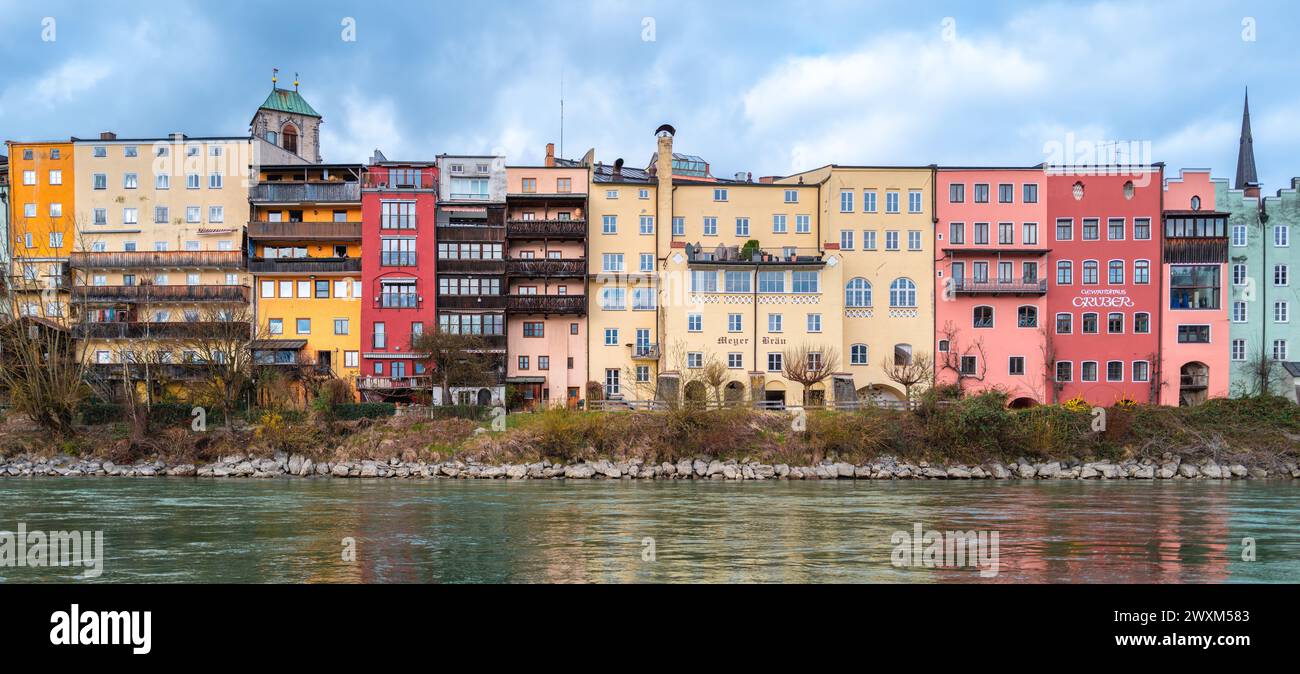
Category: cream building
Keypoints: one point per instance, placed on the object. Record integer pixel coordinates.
(159, 239)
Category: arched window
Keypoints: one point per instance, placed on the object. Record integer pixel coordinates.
(1064, 273)
(1027, 317)
(1090, 272)
(1196, 203)
(857, 293)
(983, 317)
(290, 136)
(858, 354)
(902, 293)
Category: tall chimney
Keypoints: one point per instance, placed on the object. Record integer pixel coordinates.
(664, 176)
(550, 155)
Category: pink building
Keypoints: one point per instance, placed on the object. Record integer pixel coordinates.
(991, 286)
(1195, 328)
(546, 274)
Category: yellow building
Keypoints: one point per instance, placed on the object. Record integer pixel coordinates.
(879, 221)
(41, 227)
(158, 250)
(305, 236)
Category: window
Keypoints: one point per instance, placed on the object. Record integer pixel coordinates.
(214, 181)
(303, 326)
(771, 281)
(1006, 193)
(858, 355)
(1029, 233)
(534, 329)
(846, 239)
(216, 214)
(647, 224)
(969, 366)
(1115, 229)
(1016, 365)
(130, 216)
(1088, 370)
(647, 262)
(56, 177)
(611, 194)
(1142, 229)
(523, 362)
(1142, 323)
(735, 361)
(609, 224)
(778, 224)
(1239, 313)
(612, 389)
(1027, 317)
(679, 226)
(742, 226)
(891, 240)
(737, 281)
(1115, 370)
(891, 202)
(913, 239)
(735, 322)
(719, 194)
(1091, 229)
(1238, 351)
(774, 362)
(814, 322)
(611, 336)
(704, 281)
(100, 181)
(643, 193)
(341, 326)
(981, 193)
(1238, 236)
(1239, 274)
(643, 373)
(774, 322)
(710, 227)
(1281, 275)
(1115, 323)
(914, 201)
(868, 239)
(1141, 272)
(1193, 334)
(1089, 324)
(611, 262)
(1116, 272)
(1006, 233)
(956, 193)
(846, 201)
(694, 323)
(868, 201)
(981, 233)
(902, 293)
(1030, 193)
(957, 233)
(1064, 229)
(613, 299)
(1281, 236)
(1090, 275)
(805, 282)
(1281, 312)
(792, 196)
(529, 185)
(397, 215)
(1194, 287)
(857, 293)
(983, 317)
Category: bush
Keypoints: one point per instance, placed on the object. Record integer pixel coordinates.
(95, 412)
(471, 412)
(350, 411)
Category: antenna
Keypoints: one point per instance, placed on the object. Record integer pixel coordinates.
(561, 111)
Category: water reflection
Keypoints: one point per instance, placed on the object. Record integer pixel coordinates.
(176, 530)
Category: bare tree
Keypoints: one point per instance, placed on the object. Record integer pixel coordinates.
(1262, 373)
(715, 376)
(952, 358)
(221, 350)
(1048, 348)
(454, 360)
(42, 372)
(908, 371)
(809, 366)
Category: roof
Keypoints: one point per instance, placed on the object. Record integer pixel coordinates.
(604, 173)
(279, 344)
(1292, 367)
(1246, 175)
(284, 100)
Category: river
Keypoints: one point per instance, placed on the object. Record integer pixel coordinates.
(457, 531)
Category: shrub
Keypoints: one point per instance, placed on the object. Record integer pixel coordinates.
(95, 412)
(350, 411)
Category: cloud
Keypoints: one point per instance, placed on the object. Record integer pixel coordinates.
(367, 124)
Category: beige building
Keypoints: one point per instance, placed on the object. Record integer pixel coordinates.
(159, 239)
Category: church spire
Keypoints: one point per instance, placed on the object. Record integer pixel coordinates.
(1247, 179)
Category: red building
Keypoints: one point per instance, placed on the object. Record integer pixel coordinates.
(399, 274)
(1104, 282)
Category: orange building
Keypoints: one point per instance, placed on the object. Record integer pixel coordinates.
(42, 227)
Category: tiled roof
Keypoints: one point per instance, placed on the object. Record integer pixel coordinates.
(283, 100)
(604, 173)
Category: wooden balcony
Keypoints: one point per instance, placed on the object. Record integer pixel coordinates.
(304, 231)
(305, 265)
(168, 259)
(484, 233)
(471, 301)
(547, 267)
(154, 330)
(547, 304)
(546, 229)
(305, 193)
(156, 294)
(967, 286)
(472, 266)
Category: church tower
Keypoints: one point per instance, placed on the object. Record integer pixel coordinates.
(1247, 179)
(287, 126)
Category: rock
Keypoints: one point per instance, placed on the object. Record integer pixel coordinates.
(862, 472)
(701, 469)
(295, 464)
(1087, 472)
(1258, 473)
(668, 469)
(843, 469)
(519, 472)
(306, 467)
(1188, 471)
(998, 471)
(1145, 473)
(1026, 471)
(183, 470)
(729, 471)
(1109, 471)
(1211, 470)
(369, 469)
(580, 471)
(1171, 466)
(217, 471)
(1238, 470)
(714, 468)
(340, 470)
(244, 469)
(781, 470)
(1049, 470)
(1164, 473)
(324, 468)
(978, 473)
(959, 473)
(747, 473)
(763, 471)
(492, 472)
(934, 472)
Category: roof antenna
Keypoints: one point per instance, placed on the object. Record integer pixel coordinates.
(561, 111)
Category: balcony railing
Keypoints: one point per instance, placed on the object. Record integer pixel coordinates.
(305, 265)
(546, 267)
(483, 233)
(1013, 286)
(160, 294)
(575, 229)
(471, 301)
(390, 258)
(390, 383)
(399, 179)
(472, 266)
(291, 193)
(304, 231)
(175, 259)
(547, 304)
(734, 255)
(645, 352)
(156, 330)
(397, 301)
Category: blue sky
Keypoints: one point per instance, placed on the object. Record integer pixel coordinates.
(755, 86)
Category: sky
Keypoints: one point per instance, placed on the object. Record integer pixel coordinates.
(765, 87)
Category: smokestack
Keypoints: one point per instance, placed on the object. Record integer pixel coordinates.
(107, 135)
(664, 176)
(550, 155)
(618, 167)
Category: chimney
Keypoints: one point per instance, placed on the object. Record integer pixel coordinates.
(107, 135)
(550, 155)
(664, 176)
(618, 167)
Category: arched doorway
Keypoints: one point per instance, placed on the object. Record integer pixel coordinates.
(484, 397)
(695, 393)
(1193, 383)
(1023, 403)
(734, 392)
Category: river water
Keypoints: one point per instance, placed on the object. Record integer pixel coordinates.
(453, 531)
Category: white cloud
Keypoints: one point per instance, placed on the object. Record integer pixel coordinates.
(367, 124)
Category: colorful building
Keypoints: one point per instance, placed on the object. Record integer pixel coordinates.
(398, 274)
(1103, 300)
(546, 269)
(42, 227)
(1194, 331)
(305, 257)
(990, 269)
(5, 308)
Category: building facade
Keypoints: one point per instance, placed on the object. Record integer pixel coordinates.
(305, 258)
(398, 275)
(5, 309)
(990, 269)
(546, 270)
(1103, 299)
(42, 227)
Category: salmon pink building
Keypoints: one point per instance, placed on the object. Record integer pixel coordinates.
(991, 284)
(1195, 330)
(1104, 288)
(398, 274)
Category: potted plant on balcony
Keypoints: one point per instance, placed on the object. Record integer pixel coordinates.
(750, 251)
